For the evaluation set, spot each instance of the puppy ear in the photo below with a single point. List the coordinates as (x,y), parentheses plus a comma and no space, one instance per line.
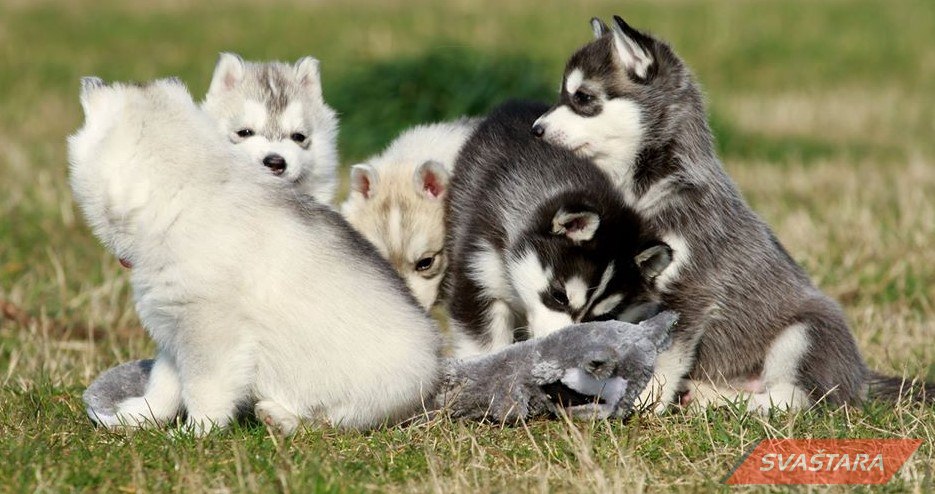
(598,27)
(363,180)
(89,86)
(632,48)
(431,179)
(579,227)
(308,74)
(228,73)
(654,260)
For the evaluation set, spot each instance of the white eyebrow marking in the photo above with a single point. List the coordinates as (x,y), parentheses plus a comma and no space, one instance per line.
(573,81)
(577,292)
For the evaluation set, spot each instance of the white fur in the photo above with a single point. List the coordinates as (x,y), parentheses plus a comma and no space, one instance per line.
(573,81)
(500,325)
(611,138)
(231,102)
(529,278)
(577,292)
(681,256)
(666,382)
(607,305)
(656,196)
(487,269)
(630,54)
(782,362)
(774,388)
(246,298)
(159,405)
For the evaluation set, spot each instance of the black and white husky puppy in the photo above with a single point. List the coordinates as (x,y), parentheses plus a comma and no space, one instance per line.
(751,320)
(536,234)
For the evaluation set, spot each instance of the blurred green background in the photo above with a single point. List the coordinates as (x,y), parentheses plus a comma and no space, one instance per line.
(824,112)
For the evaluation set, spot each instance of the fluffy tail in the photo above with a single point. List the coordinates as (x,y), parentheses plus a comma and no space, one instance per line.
(893,389)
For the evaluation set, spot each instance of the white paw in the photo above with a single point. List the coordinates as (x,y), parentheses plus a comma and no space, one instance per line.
(276,417)
(135,413)
(200,427)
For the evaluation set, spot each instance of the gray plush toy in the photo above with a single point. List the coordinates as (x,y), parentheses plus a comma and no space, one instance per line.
(594,369)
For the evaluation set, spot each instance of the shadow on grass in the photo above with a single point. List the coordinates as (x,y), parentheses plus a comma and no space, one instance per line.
(376,102)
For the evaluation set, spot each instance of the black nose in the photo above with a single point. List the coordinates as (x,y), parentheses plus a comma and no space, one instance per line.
(538,130)
(276,163)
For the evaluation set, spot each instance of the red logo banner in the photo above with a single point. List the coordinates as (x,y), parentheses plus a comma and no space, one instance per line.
(823,461)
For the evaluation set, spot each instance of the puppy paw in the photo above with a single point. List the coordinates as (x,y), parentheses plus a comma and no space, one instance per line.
(134,413)
(276,417)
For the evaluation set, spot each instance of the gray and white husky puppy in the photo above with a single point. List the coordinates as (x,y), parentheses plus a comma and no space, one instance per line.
(276,112)
(397,200)
(255,295)
(751,320)
(538,235)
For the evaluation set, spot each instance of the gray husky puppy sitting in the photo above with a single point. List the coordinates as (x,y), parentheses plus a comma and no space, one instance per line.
(276,112)
(752,322)
(539,237)
(397,201)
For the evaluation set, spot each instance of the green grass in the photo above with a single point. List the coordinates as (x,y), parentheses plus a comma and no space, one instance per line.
(824,113)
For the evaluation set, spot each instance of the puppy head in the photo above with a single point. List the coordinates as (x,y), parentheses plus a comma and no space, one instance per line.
(585,261)
(399,208)
(276,112)
(619,94)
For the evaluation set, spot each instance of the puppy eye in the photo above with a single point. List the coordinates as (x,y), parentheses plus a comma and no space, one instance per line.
(244,133)
(298,137)
(583,98)
(425,263)
(560,297)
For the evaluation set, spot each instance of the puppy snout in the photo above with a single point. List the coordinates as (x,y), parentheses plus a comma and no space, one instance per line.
(538,130)
(276,163)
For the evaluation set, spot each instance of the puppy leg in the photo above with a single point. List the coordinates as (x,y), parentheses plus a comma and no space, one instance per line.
(481,324)
(775,388)
(217,371)
(160,403)
(671,367)
(831,368)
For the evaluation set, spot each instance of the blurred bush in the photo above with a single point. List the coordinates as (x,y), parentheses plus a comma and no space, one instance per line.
(379,100)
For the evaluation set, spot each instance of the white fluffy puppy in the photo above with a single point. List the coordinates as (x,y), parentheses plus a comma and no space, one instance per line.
(254,293)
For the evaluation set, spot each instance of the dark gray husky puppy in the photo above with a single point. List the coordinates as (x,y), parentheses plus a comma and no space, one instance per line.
(538,236)
(751,320)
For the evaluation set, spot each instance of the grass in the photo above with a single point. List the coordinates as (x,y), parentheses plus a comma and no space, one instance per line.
(824,113)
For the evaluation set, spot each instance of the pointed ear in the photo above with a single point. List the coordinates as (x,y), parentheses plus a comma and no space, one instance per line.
(659,327)
(631,47)
(363,180)
(89,85)
(654,260)
(308,74)
(431,179)
(579,227)
(228,73)
(598,27)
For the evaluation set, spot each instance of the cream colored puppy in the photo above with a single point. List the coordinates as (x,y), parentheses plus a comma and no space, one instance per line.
(397,202)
